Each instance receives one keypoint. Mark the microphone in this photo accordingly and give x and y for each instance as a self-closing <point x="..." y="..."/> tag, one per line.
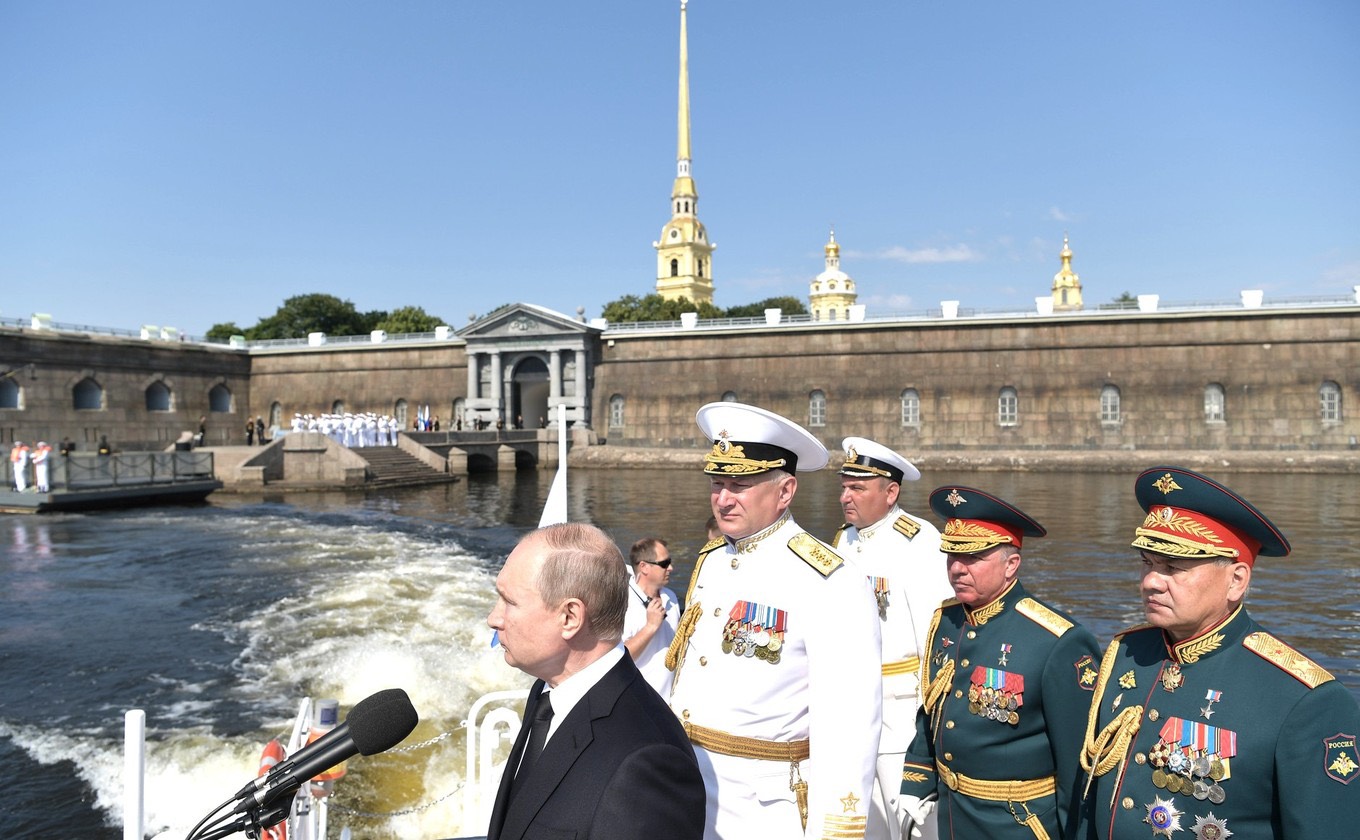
<point x="375" y="724"/>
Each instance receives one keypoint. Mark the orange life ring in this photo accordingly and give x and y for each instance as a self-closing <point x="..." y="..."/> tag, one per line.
<point x="273" y="753"/>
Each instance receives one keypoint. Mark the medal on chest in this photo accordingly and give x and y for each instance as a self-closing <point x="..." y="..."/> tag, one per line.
<point x="996" y="695"/>
<point x="755" y="630"/>
<point x="1192" y="758"/>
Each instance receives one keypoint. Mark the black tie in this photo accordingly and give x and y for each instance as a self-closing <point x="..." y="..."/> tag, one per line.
<point x="538" y="734"/>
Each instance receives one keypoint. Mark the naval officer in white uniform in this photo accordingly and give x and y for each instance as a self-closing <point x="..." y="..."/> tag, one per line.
<point x="900" y="556"/>
<point x="777" y="658"/>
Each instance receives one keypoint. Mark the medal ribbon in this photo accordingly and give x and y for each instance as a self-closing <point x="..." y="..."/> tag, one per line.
<point x="1211" y="740"/>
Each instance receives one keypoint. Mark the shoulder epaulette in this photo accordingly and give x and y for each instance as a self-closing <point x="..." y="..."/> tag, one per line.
<point x="709" y="547"/>
<point x="836" y="540"/>
<point x="1043" y="616"/>
<point x="815" y="553"/>
<point x="906" y="526"/>
<point x="712" y="545"/>
<point x="950" y="602"/>
<point x="1287" y="659"/>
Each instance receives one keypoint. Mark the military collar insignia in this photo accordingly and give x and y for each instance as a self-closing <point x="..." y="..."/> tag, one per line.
<point x="982" y="615"/>
<point x="746" y="545"/>
<point x="1190" y="651"/>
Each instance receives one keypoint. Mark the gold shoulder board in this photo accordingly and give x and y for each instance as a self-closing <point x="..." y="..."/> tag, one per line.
<point x="836" y="540"/>
<point x="1287" y="659"/>
<point x="712" y="545"/>
<point x="815" y="553"/>
<point x="950" y="602"/>
<point x="906" y="526"/>
<point x="1043" y="616"/>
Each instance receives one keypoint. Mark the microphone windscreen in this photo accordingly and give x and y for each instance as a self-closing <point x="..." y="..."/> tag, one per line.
<point x="381" y="721"/>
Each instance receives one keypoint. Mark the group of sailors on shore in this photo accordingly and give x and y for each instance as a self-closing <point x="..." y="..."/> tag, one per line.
<point x="40" y="456"/>
<point x="899" y="681"/>
<point x="357" y="431"/>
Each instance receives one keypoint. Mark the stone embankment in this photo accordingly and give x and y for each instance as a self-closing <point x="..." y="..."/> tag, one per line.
<point x="1112" y="461"/>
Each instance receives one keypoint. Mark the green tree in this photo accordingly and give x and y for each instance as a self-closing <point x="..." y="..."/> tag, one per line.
<point x="788" y="304"/>
<point x="408" y="319"/>
<point x="316" y="312"/>
<point x="1125" y="297"/>
<point x="223" y="332"/>
<point x="655" y="308"/>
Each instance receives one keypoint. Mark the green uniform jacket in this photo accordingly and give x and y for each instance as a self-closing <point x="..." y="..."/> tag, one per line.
<point x="1009" y="685"/>
<point x="1274" y="733"/>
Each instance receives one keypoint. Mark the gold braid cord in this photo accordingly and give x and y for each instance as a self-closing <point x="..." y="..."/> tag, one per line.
<point x="935" y="694"/>
<point x="1102" y="752"/>
<point x="675" y="654"/>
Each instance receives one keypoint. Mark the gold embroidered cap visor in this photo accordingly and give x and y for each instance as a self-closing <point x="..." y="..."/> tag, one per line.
<point x="748" y="441"/>
<point x="866" y="459"/>
<point x="975" y="520"/>
<point x="1192" y="516"/>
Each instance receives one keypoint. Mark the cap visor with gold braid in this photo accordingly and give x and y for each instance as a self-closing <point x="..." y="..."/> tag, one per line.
<point x="749" y="441"/>
<point x="976" y="521"/>
<point x="1194" y="517"/>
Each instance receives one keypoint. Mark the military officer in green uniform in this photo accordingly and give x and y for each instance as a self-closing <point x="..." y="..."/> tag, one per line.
<point x="1007" y="680"/>
<point x="1203" y="724"/>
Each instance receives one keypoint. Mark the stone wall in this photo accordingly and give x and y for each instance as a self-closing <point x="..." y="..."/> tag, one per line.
<point x="363" y="377"/>
<point x="1270" y="364"/>
<point x="49" y="365"/>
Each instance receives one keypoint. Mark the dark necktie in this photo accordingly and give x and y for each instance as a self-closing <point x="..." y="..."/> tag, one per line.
<point x="538" y="735"/>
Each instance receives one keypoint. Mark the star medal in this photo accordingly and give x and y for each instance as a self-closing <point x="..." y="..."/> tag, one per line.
<point x="1005" y="649"/>
<point x="1172" y="678"/>
<point x="1208" y="827"/>
<point x="1213" y="697"/>
<point x="1163" y="816"/>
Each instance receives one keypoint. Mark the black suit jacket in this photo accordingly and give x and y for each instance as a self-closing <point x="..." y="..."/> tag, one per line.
<point x="619" y="767"/>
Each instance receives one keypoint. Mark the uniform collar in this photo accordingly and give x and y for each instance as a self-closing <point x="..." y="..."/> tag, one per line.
<point x="888" y="519"/>
<point x="745" y="545"/>
<point x="1225" y="634"/>
<point x="987" y="612"/>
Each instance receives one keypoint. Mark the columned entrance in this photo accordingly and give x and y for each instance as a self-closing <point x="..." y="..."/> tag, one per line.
<point x="529" y="394"/>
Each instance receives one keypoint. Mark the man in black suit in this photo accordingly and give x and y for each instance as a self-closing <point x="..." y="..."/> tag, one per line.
<point x="601" y="756"/>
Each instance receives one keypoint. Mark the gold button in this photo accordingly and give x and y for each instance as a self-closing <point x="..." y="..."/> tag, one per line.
<point x="972" y="634"/>
<point x="948" y="756"/>
<point x="1140" y="759"/>
<point x="736" y="561"/>
<point x="703" y="660"/>
<point x="949" y="724"/>
<point x="1127" y="802"/>
<point x="964" y="663"/>
<point x="685" y="714"/>
<point x="1153" y="715"/>
<point x="717" y="612"/>
<point x="958" y="693"/>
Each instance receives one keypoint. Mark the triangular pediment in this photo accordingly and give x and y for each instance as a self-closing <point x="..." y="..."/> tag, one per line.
<point x="524" y="320"/>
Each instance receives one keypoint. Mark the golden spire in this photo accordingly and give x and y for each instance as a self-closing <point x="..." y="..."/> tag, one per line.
<point x="1066" y="283"/>
<point x="684" y="184"/>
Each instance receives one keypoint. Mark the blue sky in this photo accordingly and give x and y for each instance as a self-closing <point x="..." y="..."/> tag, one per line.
<point x="186" y="163"/>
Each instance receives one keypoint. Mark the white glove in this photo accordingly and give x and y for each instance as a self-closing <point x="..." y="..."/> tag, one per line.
<point x="915" y="811"/>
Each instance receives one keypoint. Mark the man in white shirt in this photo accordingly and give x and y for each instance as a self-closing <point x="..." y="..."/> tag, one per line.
<point x="653" y="612"/>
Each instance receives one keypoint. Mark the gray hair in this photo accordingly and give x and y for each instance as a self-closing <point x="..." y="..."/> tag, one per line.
<point x="583" y="562"/>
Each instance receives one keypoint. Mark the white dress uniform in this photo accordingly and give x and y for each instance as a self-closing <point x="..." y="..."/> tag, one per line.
<point x="900" y="556"/>
<point x="813" y="677"/>
<point x="652" y="660"/>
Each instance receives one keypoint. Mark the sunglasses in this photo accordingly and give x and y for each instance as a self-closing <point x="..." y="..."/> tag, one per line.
<point x="665" y="564"/>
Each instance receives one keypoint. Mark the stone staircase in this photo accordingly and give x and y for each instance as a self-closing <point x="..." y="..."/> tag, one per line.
<point x="388" y="466"/>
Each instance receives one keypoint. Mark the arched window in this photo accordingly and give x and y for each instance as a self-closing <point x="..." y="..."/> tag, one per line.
<point x="1215" y="403"/>
<point x="1008" y="407"/>
<point x="219" y="399"/>
<point x="616" y="411"/>
<point x="399" y="413"/>
<point x="911" y="408"/>
<point x="817" y="408"/>
<point x="1109" y="406"/>
<point x="701" y="268"/>
<point x="1330" y="396"/>
<point x="88" y="395"/>
<point x="729" y="396"/>
<point x="11" y="395"/>
<point x="276" y="414"/>
<point x="157" y="397"/>
<point x="675" y="268"/>
<point x="338" y="407"/>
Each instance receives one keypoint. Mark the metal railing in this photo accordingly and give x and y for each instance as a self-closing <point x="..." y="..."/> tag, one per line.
<point x="89" y="471"/>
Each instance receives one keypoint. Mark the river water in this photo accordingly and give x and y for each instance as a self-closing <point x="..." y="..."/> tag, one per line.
<point x="215" y="619"/>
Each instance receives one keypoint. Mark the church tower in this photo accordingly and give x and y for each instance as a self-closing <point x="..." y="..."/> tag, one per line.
<point x="684" y="267"/>
<point x="1066" y="284"/>
<point x="833" y="292"/>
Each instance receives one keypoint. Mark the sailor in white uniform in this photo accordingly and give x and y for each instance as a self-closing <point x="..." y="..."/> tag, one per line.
<point x="777" y="656"/>
<point x="900" y="556"/>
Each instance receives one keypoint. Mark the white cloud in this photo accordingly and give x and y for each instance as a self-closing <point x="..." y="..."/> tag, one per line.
<point x="1057" y="215"/>
<point x="921" y="256"/>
